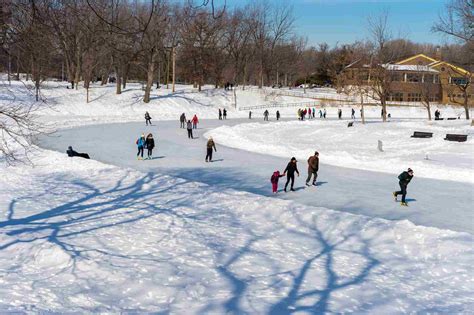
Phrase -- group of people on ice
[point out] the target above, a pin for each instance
(189, 125)
(291, 169)
(145, 143)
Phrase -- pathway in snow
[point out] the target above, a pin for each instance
(442, 204)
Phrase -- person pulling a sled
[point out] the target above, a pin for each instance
(404, 179)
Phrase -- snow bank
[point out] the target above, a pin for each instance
(81, 236)
(356, 147)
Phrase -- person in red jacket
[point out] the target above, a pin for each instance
(195, 121)
(274, 180)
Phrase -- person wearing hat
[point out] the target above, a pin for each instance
(404, 179)
(140, 145)
(210, 145)
(290, 170)
(313, 167)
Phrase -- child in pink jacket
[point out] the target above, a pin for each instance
(274, 180)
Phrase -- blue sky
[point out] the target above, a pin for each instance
(344, 21)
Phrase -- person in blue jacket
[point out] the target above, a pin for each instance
(140, 145)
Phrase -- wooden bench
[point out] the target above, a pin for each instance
(439, 118)
(419, 134)
(452, 118)
(350, 124)
(455, 137)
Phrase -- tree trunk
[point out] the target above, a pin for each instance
(150, 75)
(87, 94)
(118, 82)
(466, 104)
(362, 113)
(384, 110)
(125, 77)
(103, 80)
(428, 108)
(174, 69)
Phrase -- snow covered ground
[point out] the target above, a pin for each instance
(83, 236)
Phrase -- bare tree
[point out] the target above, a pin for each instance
(457, 20)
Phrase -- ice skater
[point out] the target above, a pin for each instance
(353, 113)
(278, 115)
(339, 113)
(220, 114)
(149, 144)
(224, 113)
(209, 146)
(313, 167)
(189, 126)
(274, 180)
(265, 115)
(290, 171)
(324, 113)
(250, 114)
(140, 145)
(147, 118)
(182, 120)
(195, 121)
(404, 179)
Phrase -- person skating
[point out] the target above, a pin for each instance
(140, 145)
(339, 113)
(182, 120)
(404, 179)
(324, 113)
(265, 115)
(225, 113)
(250, 114)
(309, 113)
(147, 118)
(320, 114)
(220, 114)
(195, 121)
(209, 146)
(278, 115)
(313, 167)
(353, 114)
(150, 144)
(189, 126)
(290, 171)
(314, 112)
(274, 180)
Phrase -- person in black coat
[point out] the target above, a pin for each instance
(71, 153)
(278, 115)
(147, 118)
(225, 113)
(220, 114)
(189, 126)
(404, 179)
(149, 144)
(290, 171)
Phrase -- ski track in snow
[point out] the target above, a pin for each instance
(82, 236)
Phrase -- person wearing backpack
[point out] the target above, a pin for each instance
(313, 167)
(140, 145)
(274, 180)
(404, 179)
(150, 144)
(290, 171)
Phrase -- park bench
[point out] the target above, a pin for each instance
(350, 124)
(452, 118)
(455, 137)
(439, 118)
(419, 134)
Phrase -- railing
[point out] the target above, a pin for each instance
(325, 95)
(281, 105)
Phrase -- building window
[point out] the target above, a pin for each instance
(396, 77)
(459, 80)
(395, 97)
(413, 77)
(436, 79)
(414, 97)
